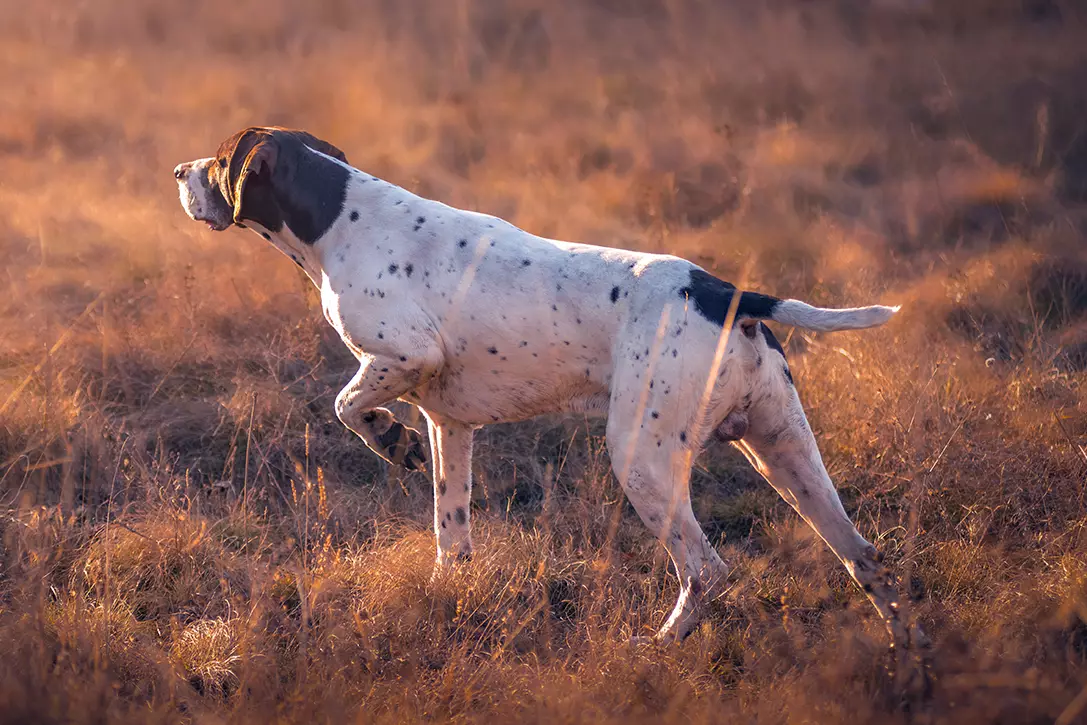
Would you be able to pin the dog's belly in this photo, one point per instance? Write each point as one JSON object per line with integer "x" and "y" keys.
{"x": 470, "y": 397}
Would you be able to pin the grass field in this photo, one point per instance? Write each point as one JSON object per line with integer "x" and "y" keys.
{"x": 187, "y": 534}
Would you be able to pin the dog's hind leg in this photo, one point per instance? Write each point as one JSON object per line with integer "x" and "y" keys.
{"x": 780, "y": 444}
{"x": 653, "y": 465}
{"x": 451, "y": 445}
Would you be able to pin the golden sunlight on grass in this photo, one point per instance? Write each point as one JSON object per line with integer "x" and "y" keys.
{"x": 187, "y": 533}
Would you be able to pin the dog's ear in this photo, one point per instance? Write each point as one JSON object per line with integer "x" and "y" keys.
{"x": 252, "y": 182}
{"x": 274, "y": 178}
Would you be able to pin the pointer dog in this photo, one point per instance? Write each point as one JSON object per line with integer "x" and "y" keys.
{"x": 476, "y": 321}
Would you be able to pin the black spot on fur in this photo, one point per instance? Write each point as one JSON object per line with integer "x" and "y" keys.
{"x": 461, "y": 516}
{"x": 712, "y": 298}
{"x": 354, "y": 216}
{"x": 393, "y": 268}
{"x": 492, "y": 350}
{"x": 614, "y": 294}
{"x": 655, "y": 415}
{"x": 441, "y": 487}
{"x": 525, "y": 262}
{"x": 462, "y": 243}
{"x": 683, "y": 436}
{"x": 408, "y": 269}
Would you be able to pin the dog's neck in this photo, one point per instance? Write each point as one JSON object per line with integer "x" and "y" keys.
{"x": 306, "y": 256}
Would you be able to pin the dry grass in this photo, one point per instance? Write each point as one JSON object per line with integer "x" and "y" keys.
{"x": 189, "y": 535}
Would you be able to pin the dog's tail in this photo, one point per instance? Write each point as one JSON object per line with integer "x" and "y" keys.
{"x": 801, "y": 314}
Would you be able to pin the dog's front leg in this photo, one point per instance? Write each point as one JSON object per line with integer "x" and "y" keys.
{"x": 451, "y": 443}
{"x": 378, "y": 381}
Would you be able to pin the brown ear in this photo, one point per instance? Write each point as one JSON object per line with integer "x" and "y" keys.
{"x": 257, "y": 169}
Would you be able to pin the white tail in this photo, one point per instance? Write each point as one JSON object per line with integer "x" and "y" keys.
{"x": 801, "y": 314}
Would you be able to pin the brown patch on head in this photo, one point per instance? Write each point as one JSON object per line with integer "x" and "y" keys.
{"x": 266, "y": 176}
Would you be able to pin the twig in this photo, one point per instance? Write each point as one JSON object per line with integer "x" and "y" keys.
{"x": 174, "y": 364}
{"x": 948, "y": 444}
{"x": 1077, "y": 448}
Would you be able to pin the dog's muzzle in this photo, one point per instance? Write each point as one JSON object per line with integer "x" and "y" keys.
{"x": 200, "y": 199}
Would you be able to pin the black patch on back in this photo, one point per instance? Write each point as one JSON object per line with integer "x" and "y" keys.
{"x": 614, "y": 295}
{"x": 712, "y": 297}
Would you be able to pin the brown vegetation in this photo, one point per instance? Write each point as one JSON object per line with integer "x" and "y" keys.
{"x": 188, "y": 534}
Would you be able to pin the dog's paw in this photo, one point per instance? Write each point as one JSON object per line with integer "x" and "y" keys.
{"x": 403, "y": 446}
{"x": 415, "y": 458}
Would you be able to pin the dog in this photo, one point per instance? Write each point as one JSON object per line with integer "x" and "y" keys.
{"x": 475, "y": 321}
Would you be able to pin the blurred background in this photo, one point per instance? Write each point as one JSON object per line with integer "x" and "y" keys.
{"x": 189, "y": 534}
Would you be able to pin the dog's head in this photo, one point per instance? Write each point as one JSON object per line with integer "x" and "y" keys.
{"x": 268, "y": 176}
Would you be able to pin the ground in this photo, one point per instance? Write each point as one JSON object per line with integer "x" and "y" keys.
{"x": 188, "y": 535}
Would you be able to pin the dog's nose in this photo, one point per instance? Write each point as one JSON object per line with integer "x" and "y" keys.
{"x": 180, "y": 170}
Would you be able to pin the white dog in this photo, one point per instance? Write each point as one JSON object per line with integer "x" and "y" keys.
{"x": 476, "y": 321}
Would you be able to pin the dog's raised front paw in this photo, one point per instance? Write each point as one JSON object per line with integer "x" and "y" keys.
{"x": 403, "y": 446}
